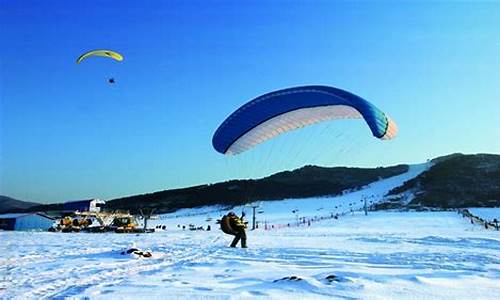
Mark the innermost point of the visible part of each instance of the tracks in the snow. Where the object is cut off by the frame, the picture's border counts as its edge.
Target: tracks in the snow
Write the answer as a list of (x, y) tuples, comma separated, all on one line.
[(64, 283)]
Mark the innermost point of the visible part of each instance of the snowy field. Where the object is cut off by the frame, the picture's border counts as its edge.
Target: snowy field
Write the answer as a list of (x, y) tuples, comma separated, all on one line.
[(427, 255), (299, 251)]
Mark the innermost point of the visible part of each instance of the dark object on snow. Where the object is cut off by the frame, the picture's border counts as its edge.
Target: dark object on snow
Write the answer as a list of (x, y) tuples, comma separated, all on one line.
[(332, 278), (289, 278), (130, 250), (137, 252)]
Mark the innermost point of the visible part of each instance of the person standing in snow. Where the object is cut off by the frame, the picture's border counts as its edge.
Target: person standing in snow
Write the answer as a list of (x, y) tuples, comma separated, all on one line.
[(238, 227)]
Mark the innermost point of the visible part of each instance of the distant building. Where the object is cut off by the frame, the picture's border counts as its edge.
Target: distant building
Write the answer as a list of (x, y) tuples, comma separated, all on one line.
[(93, 205), (25, 221)]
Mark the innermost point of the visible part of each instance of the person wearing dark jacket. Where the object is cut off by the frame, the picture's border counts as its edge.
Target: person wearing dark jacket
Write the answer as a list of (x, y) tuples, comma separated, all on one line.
[(239, 227)]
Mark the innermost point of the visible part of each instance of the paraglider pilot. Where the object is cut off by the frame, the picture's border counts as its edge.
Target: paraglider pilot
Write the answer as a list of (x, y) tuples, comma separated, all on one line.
[(239, 227)]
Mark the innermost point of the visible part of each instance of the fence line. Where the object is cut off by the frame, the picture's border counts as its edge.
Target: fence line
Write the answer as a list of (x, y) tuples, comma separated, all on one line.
[(306, 221), (477, 220)]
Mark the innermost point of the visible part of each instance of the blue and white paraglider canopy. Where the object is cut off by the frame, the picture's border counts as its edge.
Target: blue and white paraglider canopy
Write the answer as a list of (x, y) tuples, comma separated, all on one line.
[(280, 111)]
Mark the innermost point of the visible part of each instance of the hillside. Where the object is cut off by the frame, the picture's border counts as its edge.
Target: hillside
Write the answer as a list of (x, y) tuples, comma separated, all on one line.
[(10, 204), (453, 181), (309, 181)]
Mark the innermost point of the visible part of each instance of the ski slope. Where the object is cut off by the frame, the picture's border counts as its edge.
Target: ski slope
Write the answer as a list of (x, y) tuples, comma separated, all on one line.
[(290, 210), (384, 255)]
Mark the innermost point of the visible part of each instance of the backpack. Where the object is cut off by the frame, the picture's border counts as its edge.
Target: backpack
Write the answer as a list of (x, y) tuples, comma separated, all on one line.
[(225, 225)]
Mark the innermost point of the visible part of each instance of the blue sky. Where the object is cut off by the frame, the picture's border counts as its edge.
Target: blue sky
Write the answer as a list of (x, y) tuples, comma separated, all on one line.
[(68, 134)]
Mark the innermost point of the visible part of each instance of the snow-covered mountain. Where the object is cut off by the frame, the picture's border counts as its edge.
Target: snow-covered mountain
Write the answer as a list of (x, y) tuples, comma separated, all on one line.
[(454, 181), (293, 211), (308, 181)]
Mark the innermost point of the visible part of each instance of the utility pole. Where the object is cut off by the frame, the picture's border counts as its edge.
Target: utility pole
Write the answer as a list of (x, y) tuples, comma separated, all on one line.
[(365, 207), (253, 217)]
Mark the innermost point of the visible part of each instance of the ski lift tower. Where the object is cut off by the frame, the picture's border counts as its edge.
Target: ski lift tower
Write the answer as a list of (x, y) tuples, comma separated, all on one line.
[(365, 207), (254, 206)]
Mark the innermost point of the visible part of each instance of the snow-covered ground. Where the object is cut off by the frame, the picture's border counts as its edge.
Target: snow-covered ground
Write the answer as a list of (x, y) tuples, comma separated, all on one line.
[(384, 255), (426, 255)]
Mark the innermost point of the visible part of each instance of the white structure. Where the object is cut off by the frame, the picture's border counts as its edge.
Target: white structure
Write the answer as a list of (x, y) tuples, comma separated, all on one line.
[(93, 205), (25, 221)]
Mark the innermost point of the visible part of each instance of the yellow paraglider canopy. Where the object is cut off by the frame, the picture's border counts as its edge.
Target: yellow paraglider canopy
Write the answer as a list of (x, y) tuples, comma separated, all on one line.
[(105, 53)]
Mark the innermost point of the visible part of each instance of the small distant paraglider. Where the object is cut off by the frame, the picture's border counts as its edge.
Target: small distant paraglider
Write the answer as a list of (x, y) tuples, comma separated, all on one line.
[(103, 53)]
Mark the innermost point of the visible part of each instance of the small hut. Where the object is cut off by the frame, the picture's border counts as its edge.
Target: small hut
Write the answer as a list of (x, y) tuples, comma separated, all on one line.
[(25, 221)]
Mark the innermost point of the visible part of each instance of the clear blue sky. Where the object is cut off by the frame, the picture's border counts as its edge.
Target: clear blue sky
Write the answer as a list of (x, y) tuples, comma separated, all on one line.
[(68, 134)]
